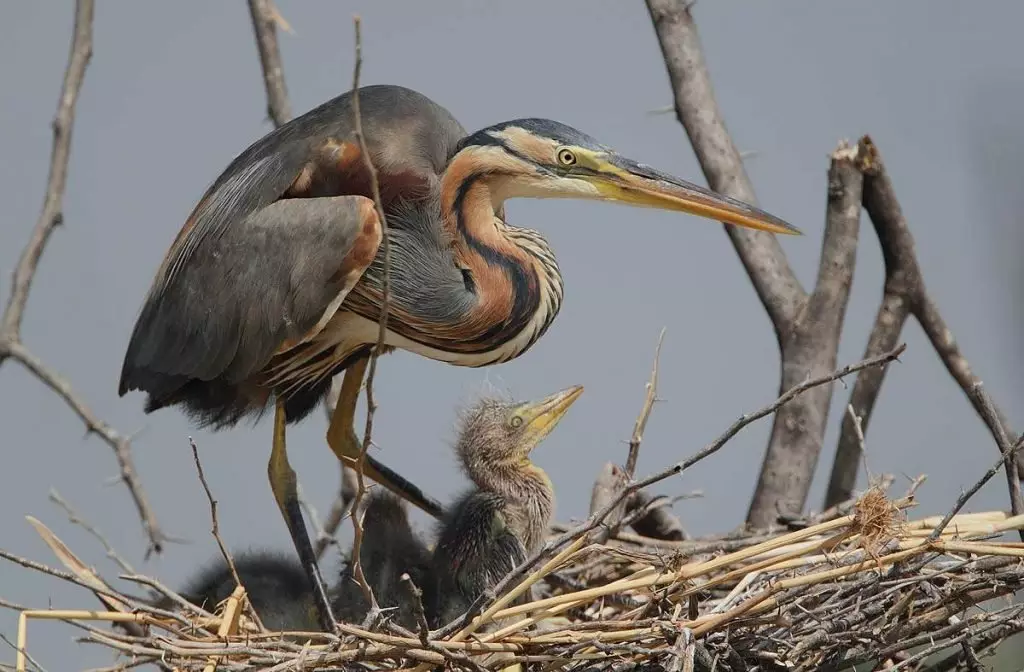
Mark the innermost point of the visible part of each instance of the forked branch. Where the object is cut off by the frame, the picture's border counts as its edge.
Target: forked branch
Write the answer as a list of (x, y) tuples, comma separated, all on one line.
[(807, 326), (904, 294), (51, 216)]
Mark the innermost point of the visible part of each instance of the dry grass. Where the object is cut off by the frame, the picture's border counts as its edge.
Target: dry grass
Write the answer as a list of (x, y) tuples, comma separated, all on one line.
[(866, 587)]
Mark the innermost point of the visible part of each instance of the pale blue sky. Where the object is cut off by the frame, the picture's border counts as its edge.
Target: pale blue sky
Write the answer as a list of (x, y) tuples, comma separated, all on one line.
[(174, 91)]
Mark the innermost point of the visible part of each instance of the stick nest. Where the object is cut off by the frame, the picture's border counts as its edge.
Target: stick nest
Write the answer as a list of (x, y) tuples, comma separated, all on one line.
[(820, 594)]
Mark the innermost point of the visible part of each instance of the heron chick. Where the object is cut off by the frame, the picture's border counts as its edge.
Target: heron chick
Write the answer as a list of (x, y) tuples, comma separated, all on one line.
[(505, 517), (390, 548), (276, 585), (280, 593)]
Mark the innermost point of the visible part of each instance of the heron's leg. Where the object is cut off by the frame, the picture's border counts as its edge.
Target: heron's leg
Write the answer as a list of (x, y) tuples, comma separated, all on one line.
[(341, 436), (284, 485)]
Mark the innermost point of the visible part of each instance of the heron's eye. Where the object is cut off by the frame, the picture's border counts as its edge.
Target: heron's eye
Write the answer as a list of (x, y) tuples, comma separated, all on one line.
[(516, 422), (566, 157)]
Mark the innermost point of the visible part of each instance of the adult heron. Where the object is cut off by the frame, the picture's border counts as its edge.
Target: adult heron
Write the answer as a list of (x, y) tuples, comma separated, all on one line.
[(274, 283)]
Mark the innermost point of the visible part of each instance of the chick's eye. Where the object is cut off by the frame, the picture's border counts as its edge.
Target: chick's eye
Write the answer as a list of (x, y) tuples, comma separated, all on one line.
[(516, 422), (566, 157)]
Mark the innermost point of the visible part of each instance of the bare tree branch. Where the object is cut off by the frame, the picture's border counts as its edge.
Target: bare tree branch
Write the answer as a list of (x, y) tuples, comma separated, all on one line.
[(50, 217), (371, 404), (264, 24), (650, 397), (807, 326), (967, 494), (1008, 450), (905, 294)]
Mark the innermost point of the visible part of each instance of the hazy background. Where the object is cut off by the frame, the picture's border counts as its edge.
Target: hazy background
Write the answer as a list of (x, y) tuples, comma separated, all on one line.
[(174, 92)]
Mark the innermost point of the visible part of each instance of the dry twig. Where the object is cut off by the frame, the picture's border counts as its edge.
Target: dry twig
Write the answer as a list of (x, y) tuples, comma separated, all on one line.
[(264, 24), (645, 411), (1002, 463), (807, 326), (904, 294), (371, 405), (215, 523), (51, 216), (76, 519)]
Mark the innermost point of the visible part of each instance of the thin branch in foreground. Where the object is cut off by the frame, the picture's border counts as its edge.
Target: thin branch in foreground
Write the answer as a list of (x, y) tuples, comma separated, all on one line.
[(1002, 462), (264, 24), (645, 411), (215, 523), (1006, 448), (50, 217), (76, 519), (807, 325), (371, 405), (904, 294), (598, 517)]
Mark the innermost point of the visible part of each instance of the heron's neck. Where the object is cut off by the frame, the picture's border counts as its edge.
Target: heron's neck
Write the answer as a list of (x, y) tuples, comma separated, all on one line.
[(472, 201), (529, 501)]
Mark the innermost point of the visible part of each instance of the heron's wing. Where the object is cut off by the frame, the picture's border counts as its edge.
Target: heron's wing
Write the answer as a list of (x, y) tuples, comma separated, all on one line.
[(247, 289), (259, 259)]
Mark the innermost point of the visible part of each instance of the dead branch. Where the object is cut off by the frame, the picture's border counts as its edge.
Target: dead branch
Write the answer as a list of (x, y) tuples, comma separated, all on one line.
[(76, 519), (652, 517), (1006, 449), (609, 483), (1002, 463), (645, 411), (371, 404), (904, 294), (264, 25), (807, 326), (51, 216), (215, 523)]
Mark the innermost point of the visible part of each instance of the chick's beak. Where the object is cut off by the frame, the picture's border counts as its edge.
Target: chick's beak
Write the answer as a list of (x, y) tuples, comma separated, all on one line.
[(542, 416), (627, 181)]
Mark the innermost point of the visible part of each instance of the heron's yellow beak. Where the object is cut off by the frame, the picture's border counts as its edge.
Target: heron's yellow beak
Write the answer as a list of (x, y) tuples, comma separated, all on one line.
[(541, 417), (627, 181)]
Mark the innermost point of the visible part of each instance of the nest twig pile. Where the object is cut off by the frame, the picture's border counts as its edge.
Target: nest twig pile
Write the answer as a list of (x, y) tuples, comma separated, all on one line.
[(868, 587)]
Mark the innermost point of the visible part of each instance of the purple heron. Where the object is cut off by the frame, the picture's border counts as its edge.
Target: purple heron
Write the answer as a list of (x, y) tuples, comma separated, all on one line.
[(274, 283)]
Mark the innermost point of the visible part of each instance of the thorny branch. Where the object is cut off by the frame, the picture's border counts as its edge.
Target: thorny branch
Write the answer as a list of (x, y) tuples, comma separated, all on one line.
[(371, 405), (807, 326), (904, 294), (597, 518), (264, 24), (50, 218)]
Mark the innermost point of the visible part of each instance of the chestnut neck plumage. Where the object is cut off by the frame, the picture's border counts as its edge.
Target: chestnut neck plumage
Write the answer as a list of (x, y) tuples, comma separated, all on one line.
[(513, 270)]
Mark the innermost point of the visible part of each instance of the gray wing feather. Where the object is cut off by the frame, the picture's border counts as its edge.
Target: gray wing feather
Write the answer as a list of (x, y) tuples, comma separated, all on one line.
[(244, 289)]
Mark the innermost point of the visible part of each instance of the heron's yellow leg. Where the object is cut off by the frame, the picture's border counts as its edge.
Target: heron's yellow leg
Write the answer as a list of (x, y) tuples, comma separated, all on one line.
[(341, 437), (285, 487)]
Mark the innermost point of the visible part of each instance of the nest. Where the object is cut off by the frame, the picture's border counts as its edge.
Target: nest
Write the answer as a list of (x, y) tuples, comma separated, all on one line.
[(868, 587)]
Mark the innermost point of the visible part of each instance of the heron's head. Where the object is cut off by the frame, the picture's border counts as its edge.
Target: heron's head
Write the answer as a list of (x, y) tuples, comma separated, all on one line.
[(540, 158), (497, 436)]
